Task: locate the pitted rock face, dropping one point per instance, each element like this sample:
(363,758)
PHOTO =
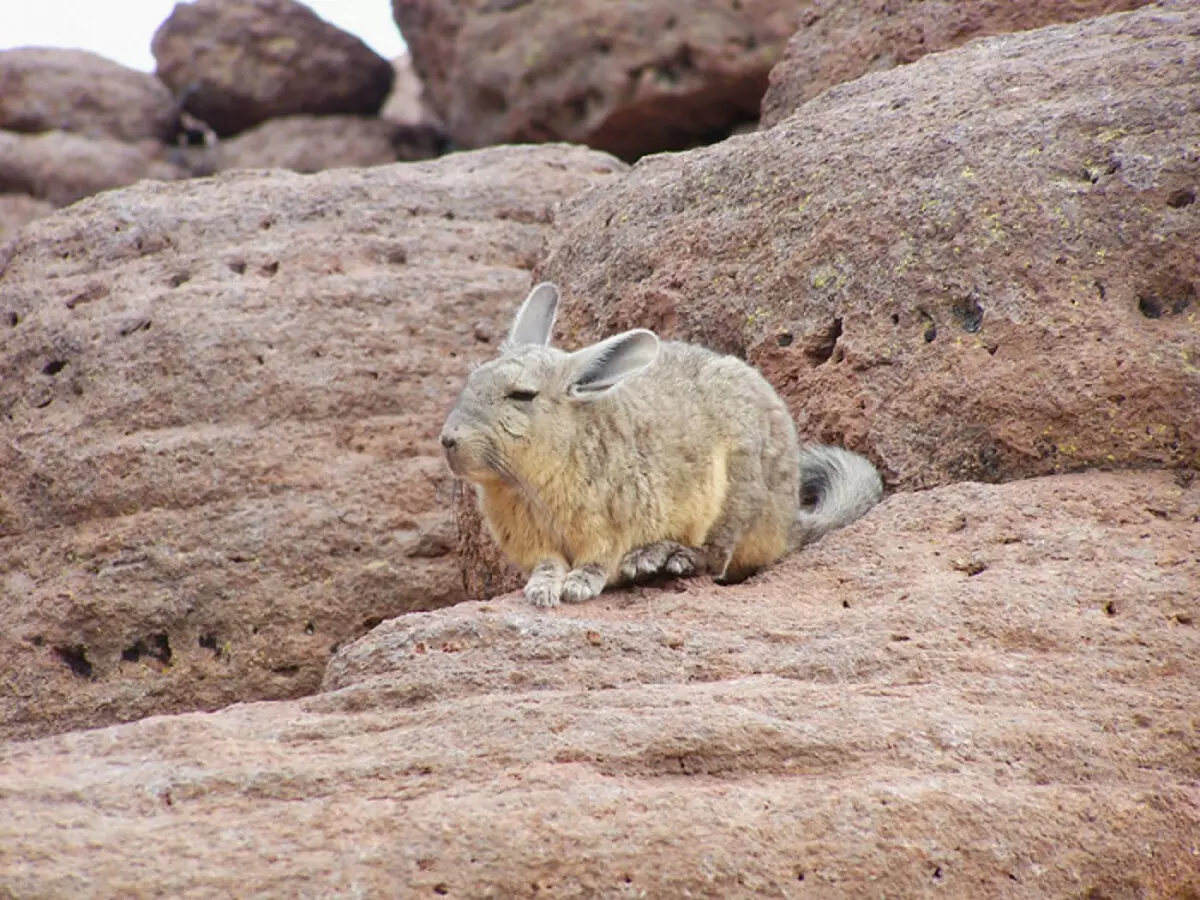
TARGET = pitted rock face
(219,418)
(982,690)
(839,42)
(236,63)
(978,266)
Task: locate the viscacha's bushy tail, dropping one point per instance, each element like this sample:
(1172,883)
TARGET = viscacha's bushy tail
(836,487)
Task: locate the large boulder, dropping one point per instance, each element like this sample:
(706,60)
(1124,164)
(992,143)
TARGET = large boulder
(315,143)
(840,41)
(236,63)
(982,691)
(55,89)
(979,266)
(218,421)
(628,78)
(61,167)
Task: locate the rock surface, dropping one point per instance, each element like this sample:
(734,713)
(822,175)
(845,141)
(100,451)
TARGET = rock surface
(17,210)
(218,421)
(62,167)
(55,89)
(839,42)
(315,143)
(980,691)
(629,79)
(980,266)
(240,62)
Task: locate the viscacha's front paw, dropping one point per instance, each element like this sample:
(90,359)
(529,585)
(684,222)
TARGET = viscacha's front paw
(545,585)
(583,584)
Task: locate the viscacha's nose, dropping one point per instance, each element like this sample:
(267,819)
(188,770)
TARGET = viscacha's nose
(448,440)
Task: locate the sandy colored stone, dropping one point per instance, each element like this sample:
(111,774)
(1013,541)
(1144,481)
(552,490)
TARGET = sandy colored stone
(218,421)
(56,89)
(240,62)
(62,167)
(17,210)
(839,41)
(979,266)
(866,719)
(627,78)
(315,143)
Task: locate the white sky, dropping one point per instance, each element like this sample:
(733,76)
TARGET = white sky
(122,29)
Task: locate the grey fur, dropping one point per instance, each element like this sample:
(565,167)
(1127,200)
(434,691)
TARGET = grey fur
(841,487)
(634,457)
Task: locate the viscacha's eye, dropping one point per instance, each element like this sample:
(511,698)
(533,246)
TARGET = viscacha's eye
(521,396)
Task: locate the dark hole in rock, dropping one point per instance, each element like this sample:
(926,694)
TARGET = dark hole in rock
(1181,198)
(156,646)
(969,314)
(75,656)
(822,350)
(54,367)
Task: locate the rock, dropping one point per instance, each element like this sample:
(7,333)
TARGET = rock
(17,210)
(62,167)
(314,143)
(866,719)
(55,89)
(240,62)
(839,42)
(219,419)
(981,266)
(629,80)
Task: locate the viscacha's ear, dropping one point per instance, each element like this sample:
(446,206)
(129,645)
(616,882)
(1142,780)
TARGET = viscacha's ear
(535,318)
(603,366)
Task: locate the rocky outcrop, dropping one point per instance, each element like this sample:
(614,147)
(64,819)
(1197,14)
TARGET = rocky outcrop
(237,63)
(627,79)
(55,89)
(17,210)
(61,167)
(980,691)
(316,143)
(979,266)
(838,42)
(218,421)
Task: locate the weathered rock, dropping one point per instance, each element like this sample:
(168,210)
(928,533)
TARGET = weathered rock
(17,210)
(241,62)
(629,79)
(55,89)
(218,421)
(62,167)
(980,691)
(980,266)
(838,42)
(314,143)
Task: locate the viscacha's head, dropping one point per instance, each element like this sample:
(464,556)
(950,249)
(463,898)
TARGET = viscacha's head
(519,409)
